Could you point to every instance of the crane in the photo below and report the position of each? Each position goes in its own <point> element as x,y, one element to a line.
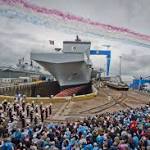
<point>107,53</point>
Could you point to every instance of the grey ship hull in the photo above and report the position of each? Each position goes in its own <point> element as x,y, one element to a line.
<point>68,69</point>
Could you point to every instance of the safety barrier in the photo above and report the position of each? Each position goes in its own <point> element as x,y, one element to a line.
<point>45,100</point>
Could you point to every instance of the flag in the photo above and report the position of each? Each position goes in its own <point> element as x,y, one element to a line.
<point>51,42</point>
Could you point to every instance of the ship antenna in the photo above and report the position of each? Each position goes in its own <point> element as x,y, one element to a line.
<point>77,39</point>
<point>19,60</point>
<point>31,63</point>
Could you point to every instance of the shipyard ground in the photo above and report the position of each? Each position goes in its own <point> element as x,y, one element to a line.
<point>107,100</point>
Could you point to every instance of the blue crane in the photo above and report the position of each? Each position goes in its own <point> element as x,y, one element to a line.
<point>107,53</point>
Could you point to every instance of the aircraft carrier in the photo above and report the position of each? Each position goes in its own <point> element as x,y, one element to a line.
<point>71,66</point>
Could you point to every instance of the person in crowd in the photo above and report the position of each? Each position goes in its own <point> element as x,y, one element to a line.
<point>36,109</point>
<point>42,114</point>
<point>122,130</point>
<point>50,109</point>
<point>7,145</point>
<point>23,106</point>
<point>31,115</point>
<point>28,110</point>
<point>46,112</point>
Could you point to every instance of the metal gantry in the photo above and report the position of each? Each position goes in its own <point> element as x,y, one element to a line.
<point>107,53</point>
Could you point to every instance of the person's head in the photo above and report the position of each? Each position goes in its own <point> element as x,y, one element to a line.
<point>95,144</point>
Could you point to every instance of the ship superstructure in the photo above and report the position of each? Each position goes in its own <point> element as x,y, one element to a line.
<point>21,69</point>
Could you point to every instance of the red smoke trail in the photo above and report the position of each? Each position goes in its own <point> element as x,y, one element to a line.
<point>67,16</point>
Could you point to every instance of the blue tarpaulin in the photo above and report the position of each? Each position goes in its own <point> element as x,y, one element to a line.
<point>138,83</point>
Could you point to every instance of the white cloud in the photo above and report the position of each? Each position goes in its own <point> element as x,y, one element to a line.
<point>18,39</point>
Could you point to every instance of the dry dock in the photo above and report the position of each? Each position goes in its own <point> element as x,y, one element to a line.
<point>107,100</point>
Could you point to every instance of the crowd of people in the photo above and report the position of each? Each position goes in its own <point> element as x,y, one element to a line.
<point>23,127</point>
